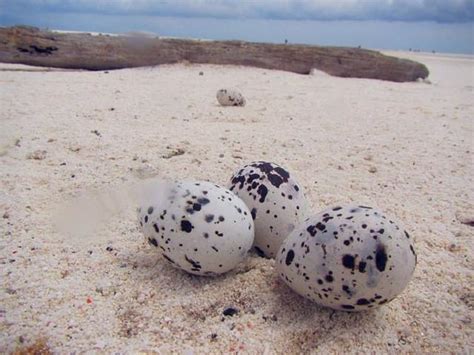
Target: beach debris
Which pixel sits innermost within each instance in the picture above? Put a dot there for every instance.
(74, 149)
(464, 218)
(10, 291)
(39, 347)
(275, 199)
(173, 153)
(349, 258)
(96, 132)
(230, 311)
(198, 227)
(273, 317)
(201, 73)
(372, 170)
(454, 248)
(230, 97)
(37, 155)
(105, 288)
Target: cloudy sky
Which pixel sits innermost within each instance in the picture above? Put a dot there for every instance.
(441, 25)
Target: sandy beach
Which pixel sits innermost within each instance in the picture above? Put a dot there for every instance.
(406, 148)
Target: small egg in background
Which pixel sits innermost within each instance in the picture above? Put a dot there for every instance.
(348, 258)
(198, 227)
(275, 199)
(230, 97)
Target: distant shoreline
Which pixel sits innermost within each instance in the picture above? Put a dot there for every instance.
(156, 35)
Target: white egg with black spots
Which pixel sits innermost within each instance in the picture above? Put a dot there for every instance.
(274, 198)
(198, 227)
(348, 258)
(230, 97)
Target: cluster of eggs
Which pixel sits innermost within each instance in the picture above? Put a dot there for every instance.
(348, 257)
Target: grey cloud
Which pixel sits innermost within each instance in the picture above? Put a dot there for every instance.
(385, 10)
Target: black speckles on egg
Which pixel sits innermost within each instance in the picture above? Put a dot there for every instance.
(362, 302)
(195, 264)
(168, 258)
(289, 257)
(203, 201)
(329, 278)
(380, 257)
(347, 306)
(320, 226)
(254, 213)
(312, 230)
(346, 289)
(414, 254)
(186, 226)
(262, 191)
(348, 261)
(153, 242)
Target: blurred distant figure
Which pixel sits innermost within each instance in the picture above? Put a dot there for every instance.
(286, 41)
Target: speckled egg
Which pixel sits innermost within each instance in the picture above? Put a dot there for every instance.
(348, 258)
(275, 199)
(229, 97)
(198, 227)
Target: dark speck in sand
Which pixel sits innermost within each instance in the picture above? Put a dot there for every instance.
(230, 311)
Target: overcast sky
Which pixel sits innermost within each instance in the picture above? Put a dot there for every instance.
(441, 25)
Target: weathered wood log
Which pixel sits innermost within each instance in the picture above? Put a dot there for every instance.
(32, 46)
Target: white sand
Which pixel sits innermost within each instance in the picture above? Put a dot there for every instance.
(416, 138)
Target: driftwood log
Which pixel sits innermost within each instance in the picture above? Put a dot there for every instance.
(32, 46)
